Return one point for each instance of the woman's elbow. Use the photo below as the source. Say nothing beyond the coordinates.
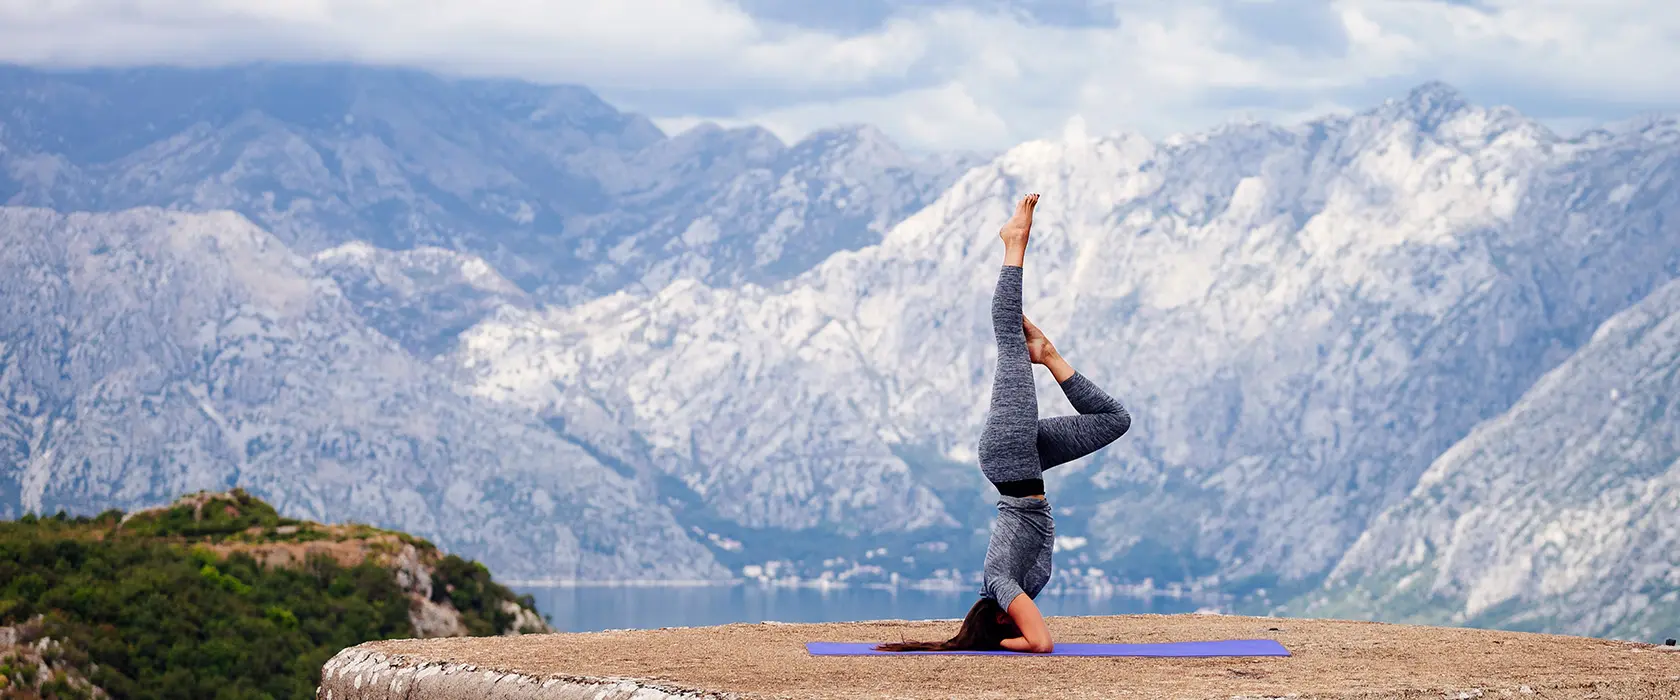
(1043, 647)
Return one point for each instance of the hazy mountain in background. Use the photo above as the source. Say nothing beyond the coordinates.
(558, 191)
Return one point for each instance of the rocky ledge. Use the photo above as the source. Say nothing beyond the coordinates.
(1331, 659)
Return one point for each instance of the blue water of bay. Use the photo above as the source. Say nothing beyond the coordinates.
(590, 609)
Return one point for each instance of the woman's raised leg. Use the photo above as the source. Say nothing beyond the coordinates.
(1009, 441)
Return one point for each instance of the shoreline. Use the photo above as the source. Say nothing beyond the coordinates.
(1132, 591)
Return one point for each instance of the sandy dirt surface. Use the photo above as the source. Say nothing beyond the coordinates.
(1332, 659)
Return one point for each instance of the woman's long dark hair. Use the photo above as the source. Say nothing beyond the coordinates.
(980, 631)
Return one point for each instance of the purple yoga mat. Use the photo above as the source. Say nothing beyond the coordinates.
(1229, 647)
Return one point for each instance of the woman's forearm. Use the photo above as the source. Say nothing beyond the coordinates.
(1035, 635)
(1018, 644)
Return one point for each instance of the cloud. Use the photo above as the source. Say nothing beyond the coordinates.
(933, 73)
(943, 117)
(629, 44)
(1610, 50)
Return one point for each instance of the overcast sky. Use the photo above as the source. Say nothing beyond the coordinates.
(932, 73)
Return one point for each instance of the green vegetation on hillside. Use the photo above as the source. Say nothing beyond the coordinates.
(166, 605)
(467, 586)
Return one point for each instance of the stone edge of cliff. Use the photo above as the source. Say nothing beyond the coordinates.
(362, 673)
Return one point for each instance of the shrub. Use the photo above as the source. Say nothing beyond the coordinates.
(146, 617)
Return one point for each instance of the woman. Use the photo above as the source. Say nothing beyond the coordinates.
(1015, 449)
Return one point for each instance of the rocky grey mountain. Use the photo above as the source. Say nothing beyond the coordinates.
(322, 155)
(423, 297)
(561, 193)
(734, 206)
(757, 434)
(434, 203)
(1561, 514)
(1302, 318)
(150, 353)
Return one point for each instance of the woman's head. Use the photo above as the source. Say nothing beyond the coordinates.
(982, 630)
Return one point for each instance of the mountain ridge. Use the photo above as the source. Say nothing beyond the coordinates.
(563, 194)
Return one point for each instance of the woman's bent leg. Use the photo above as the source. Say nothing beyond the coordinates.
(1101, 420)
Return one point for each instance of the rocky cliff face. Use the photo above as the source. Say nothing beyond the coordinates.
(33, 663)
(1561, 514)
(423, 298)
(151, 353)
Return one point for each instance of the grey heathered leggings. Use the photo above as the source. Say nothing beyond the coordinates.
(1016, 444)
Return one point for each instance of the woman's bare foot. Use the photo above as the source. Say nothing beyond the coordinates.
(1041, 352)
(1039, 349)
(1016, 230)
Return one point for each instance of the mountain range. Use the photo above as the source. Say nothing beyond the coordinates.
(1344, 343)
(557, 190)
